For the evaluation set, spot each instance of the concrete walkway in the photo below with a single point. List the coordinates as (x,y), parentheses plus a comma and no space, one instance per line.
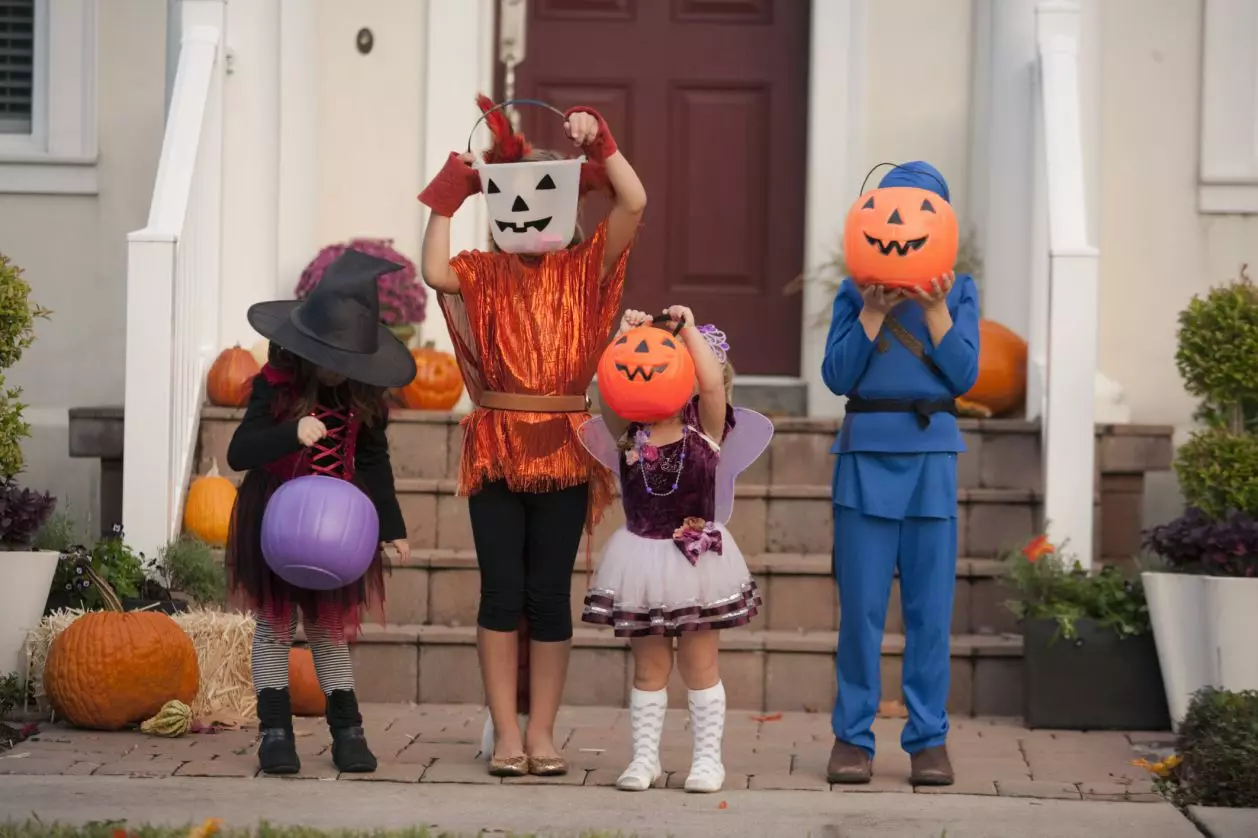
(566,811)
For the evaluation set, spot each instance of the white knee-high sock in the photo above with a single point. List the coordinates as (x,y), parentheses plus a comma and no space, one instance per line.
(707,724)
(646,720)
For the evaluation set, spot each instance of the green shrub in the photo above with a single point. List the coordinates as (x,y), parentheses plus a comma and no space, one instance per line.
(1217,751)
(58,533)
(1218,353)
(17,333)
(191,568)
(1218,472)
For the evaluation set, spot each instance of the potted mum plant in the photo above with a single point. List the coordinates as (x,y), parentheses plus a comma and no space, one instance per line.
(403,300)
(1203,600)
(1088,654)
(27,572)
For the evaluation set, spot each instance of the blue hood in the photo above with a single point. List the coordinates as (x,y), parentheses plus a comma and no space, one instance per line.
(919,174)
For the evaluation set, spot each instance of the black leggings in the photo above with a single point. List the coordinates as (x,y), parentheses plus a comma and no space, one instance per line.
(526,547)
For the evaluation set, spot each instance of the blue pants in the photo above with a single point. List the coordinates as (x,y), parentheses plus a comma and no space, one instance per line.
(867,552)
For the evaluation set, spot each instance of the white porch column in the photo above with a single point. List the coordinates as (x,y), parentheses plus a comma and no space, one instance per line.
(297,185)
(836,133)
(250,165)
(1001,160)
(460,63)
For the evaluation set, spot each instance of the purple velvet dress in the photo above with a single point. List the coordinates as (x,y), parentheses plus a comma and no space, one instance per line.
(671,568)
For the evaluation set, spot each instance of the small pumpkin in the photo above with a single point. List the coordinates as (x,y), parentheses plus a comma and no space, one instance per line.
(438,384)
(307,696)
(207,513)
(261,352)
(1001,383)
(900,237)
(110,669)
(646,375)
(231,377)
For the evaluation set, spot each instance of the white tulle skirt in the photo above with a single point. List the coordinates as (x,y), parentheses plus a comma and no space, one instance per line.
(646,586)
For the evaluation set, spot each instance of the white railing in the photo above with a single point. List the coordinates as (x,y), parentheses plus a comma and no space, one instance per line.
(173,279)
(1064,303)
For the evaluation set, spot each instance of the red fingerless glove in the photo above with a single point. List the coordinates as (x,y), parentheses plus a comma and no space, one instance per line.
(454,184)
(604,145)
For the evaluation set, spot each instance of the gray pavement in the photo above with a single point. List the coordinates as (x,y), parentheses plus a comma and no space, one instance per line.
(563,810)
(1226,823)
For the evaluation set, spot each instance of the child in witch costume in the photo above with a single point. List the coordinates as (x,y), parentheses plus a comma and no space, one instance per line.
(317,407)
(528,320)
(901,358)
(673,570)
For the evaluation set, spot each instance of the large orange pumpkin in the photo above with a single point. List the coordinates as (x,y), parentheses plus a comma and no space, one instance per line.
(207,513)
(900,237)
(231,377)
(437,385)
(303,684)
(110,669)
(646,375)
(1001,384)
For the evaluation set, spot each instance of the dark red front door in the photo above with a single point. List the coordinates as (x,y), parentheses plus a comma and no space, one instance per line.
(708,100)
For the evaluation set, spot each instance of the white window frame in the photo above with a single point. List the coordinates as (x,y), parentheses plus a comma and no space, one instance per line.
(59,155)
(1229,108)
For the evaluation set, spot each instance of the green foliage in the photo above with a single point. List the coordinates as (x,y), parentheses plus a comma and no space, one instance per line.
(190,567)
(1217,749)
(1218,471)
(1218,353)
(14,694)
(17,333)
(112,560)
(58,533)
(1055,587)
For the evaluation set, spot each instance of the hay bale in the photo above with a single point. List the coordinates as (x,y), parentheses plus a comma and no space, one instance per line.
(223,641)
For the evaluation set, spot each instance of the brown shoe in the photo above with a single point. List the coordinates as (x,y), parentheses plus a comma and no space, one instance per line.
(931,767)
(848,764)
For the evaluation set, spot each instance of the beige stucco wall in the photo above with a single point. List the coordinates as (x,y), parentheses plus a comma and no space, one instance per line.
(73,250)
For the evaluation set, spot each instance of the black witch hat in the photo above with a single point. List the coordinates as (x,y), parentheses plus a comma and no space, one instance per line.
(338,326)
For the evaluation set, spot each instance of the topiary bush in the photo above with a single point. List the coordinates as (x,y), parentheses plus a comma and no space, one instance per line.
(1216,752)
(1218,471)
(17,332)
(1218,353)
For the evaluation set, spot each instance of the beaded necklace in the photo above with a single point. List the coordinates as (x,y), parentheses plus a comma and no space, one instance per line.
(672,464)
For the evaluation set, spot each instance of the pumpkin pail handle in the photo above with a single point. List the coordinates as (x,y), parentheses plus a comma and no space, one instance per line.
(507,103)
(660,319)
(878,166)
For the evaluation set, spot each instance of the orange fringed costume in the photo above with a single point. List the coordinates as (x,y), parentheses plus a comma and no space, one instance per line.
(532,326)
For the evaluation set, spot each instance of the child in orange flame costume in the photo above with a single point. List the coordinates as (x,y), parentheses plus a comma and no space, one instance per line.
(528,327)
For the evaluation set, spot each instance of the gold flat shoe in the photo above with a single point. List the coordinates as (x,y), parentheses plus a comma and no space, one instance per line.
(548,766)
(509,766)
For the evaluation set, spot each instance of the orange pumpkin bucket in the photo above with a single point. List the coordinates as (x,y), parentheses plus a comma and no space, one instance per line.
(646,374)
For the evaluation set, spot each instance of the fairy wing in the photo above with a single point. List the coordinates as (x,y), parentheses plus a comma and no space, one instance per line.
(743,446)
(598,440)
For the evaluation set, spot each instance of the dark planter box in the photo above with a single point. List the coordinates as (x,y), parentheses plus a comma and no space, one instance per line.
(1098,682)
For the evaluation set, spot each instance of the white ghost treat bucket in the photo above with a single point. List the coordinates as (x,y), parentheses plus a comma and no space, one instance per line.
(533,203)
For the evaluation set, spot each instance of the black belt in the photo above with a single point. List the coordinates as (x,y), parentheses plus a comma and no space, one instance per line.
(923,408)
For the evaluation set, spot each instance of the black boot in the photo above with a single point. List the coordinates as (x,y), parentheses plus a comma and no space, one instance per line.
(277,753)
(349,744)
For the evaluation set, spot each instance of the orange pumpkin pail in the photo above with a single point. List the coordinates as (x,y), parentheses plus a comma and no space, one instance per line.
(646,375)
(900,237)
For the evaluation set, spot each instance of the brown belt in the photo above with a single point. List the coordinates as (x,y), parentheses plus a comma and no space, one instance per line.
(534,404)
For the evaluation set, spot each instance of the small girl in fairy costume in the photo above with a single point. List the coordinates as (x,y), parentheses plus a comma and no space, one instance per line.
(673,570)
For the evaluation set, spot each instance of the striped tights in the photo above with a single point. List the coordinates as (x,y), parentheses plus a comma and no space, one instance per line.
(270,654)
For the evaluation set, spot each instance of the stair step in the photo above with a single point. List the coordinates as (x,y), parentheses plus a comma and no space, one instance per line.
(768,671)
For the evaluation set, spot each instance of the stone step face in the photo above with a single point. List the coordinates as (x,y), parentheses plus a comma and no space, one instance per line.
(442,587)
(766,671)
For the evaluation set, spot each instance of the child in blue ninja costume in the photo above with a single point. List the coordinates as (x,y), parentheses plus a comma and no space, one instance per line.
(901,358)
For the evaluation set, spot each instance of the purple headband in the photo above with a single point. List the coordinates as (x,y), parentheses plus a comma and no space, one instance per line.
(716,340)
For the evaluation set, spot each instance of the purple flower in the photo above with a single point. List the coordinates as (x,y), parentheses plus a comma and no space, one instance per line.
(403,300)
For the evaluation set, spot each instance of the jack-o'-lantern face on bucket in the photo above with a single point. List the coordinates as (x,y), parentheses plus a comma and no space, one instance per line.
(532,205)
(900,237)
(646,375)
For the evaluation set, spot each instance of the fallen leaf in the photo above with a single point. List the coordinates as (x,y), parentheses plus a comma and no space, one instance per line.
(722,805)
(772,717)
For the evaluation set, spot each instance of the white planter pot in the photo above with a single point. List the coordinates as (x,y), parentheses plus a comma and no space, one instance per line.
(25,577)
(1204,627)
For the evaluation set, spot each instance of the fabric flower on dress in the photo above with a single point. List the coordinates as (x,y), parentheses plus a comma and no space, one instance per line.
(695,537)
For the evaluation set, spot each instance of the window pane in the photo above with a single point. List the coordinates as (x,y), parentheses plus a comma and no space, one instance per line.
(17,65)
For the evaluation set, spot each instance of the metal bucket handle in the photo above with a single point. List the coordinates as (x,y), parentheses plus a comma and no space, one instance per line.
(502,105)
